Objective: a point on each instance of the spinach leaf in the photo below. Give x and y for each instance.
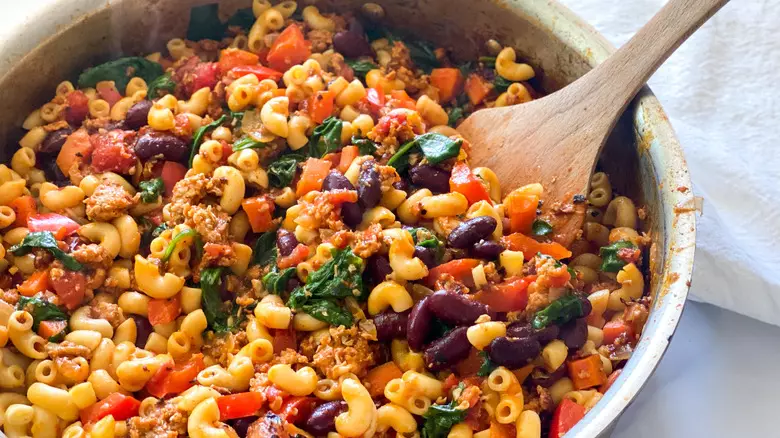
(559, 312)
(162, 83)
(178, 238)
(361, 67)
(197, 139)
(437, 147)
(501, 84)
(282, 171)
(330, 312)
(610, 262)
(439, 329)
(218, 319)
(275, 281)
(439, 419)
(45, 240)
(487, 366)
(455, 115)
(120, 71)
(365, 146)
(247, 143)
(326, 138)
(151, 231)
(425, 238)
(400, 160)
(264, 250)
(422, 54)
(41, 310)
(151, 190)
(205, 24)
(465, 69)
(572, 273)
(541, 228)
(489, 61)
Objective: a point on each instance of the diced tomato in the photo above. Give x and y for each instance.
(284, 339)
(108, 92)
(296, 409)
(259, 71)
(521, 210)
(232, 57)
(449, 81)
(289, 49)
(163, 311)
(477, 89)
(614, 329)
(320, 105)
(340, 196)
(509, 296)
(314, 173)
(348, 155)
(587, 372)
(47, 329)
(566, 416)
(298, 255)
(244, 404)
(113, 151)
(259, 210)
(467, 184)
(77, 107)
(376, 99)
(459, 269)
(216, 250)
(174, 379)
(77, 148)
(528, 245)
(58, 224)
(172, 172)
(118, 405)
(399, 99)
(38, 282)
(205, 74)
(70, 287)
(610, 381)
(24, 207)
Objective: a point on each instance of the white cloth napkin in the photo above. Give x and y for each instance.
(721, 92)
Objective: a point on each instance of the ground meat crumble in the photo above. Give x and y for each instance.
(109, 201)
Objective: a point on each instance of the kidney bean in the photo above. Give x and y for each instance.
(447, 351)
(546, 380)
(487, 249)
(524, 330)
(351, 44)
(402, 185)
(369, 186)
(575, 333)
(54, 140)
(513, 352)
(286, 242)
(427, 255)
(154, 143)
(547, 334)
(143, 329)
(391, 325)
(419, 324)
(587, 307)
(378, 268)
(241, 425)
(335, 181)
(432, 178)
(137, 114)
(292, 284)
(458, 309)
(351, 214)
(471, 231)
(323, 418)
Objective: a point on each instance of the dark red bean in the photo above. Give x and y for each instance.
(487, 249)
(547, 334)
(587, 307)
(369, 186)
(401, 185)
(432, 178)
(285, 242)
(524, 330)
(427, 255)
(143, 329)
(457, 308)
(155, 143)
(378, 268)
(574, 334)
(513, 352)
(323, 418)
(351, 44)
(540, 377)
(351, 214)
(335, 181)
(419, 324)
(447, 351)
(391, 325)
(54, 140)
(137, 115)
(292, 284)
(241, 425)
(471, 231)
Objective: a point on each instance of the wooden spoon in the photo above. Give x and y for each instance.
(556, 140)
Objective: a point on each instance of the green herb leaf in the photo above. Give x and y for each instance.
(151, 231)
(439, 419)
(559, 312)
(455, 115)
(422, 54)
(120, 71)
(501, 84)
(218, 319)
(466, 68)
(282, 171)
(572, 272)
(247, 143)
(264, 250)
(425, 238)
(197, 139)
(487, 366)
(41, 310)
(437, 147)
(541, 228)
(330, 312)
(326, 138)
(205, 23)
(151, 190)
(400, 160)
(45, 240)
(365, 146)
(276, 281)
(190, 232)
(610, 262)
(161, 83)
(361, 67)
(489, 61)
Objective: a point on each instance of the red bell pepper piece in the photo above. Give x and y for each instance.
(118, 405)
(289, 49)
(509, 296)
(469, 185)
(376, 99)
(61, 226)
(232, 57)
(173, 379)
(259, 210)
(459, 269)
(296, 409)
(259, 71)
(163, 311)
(567, 414)
(172, 172)
(240, 405)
